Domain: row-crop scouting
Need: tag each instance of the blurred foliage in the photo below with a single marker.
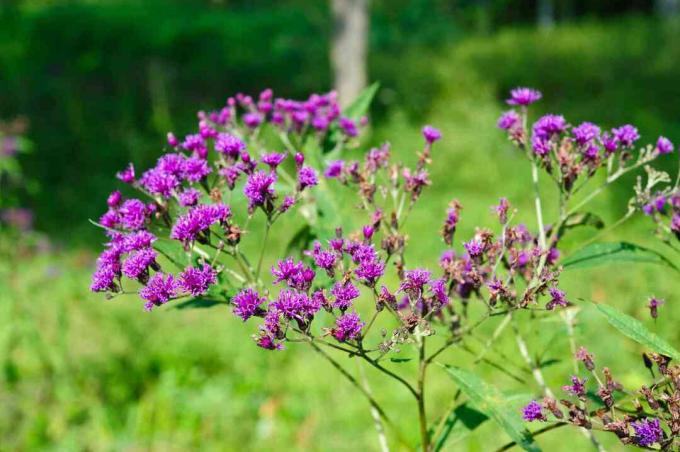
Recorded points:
(102, 82)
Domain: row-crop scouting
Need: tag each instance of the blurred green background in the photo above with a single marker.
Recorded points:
(102, 81)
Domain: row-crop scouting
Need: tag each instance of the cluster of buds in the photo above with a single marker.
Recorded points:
(647, 417)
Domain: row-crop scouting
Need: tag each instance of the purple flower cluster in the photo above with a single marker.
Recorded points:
(198, 220)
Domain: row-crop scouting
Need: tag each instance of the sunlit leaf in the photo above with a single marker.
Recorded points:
(359, 107)
(459, 423)
(604, 253)
(490, 401)
(635, 330)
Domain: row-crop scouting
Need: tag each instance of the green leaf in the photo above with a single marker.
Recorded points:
(300, 241)
(603, 253)
(583, 219)
(459, 423)
(174, 252)
(359, 107)
(635, 330)
(490, 401)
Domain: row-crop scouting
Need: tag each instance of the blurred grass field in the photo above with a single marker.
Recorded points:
(82, 373)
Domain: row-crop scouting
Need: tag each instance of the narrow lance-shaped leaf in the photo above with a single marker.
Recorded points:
(635, 330)
(359, 107)
(490, 401)
(459, 423)
(604, 253)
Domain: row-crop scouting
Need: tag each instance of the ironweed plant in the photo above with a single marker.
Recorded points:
(182, 242)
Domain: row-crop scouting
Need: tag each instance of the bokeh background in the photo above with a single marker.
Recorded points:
(101, 82)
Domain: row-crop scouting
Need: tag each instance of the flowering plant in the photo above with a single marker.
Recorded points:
(352, 292)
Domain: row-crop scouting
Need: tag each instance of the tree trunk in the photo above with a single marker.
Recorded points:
(545, 14)
(349, 48)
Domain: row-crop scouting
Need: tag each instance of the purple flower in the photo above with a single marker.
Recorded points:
(258, 188)
(197, 281)
(369, 271)
(320, 123)
(334, 169)
(474, 248)
(295, 305)
(295, 274)
(170, 164)
(557, 298)
(508, 120)
(368, 231)
(431, 134)
(231, 174)
(197, 220)
(137, 241)
(347, 327)
(322, 258)
(159, 182)
(577, 387)
(626, 135)
(247, 303)
(440, 291)
(252, 120)
(299, 158)
(229, 145)
(132, 214)
(523, 96)
(287, 203)
(586, 132)
(609, 142)
(653, 306)
(344, 294)
(137, 264)
(348, 127)
(540, 146)
(664, 145)
(114, 199)
(502, 210)
(307, 178)
(194, 169)
(414, 282)
(158, 290)
(647, 432)
(172, 140)
(268, 343)
(533, 412)
(675, 225)
(273, 159)
(189, 197)
(549, 125)
(127, 175)
(103, 279)
(195, 143)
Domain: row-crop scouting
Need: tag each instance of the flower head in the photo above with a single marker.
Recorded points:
(230, 145)
(158, 290)
(533, 412)
(664, 145)
(259, 188)
(247, 303)
(347, 327)
(307, 177)
(508, 120)
(344, 294)
(523, 96)
(647, 432)
(626, 135)
(197, 281)
(557, 298)
(431, 134)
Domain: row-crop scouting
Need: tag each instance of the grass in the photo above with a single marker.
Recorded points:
(80, 372)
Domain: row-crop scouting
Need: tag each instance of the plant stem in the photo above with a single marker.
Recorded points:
(535, 370)
(379, 427)
(511, 444)
(422, 415)
(352, 380)
(537, 202)
(264, 248)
